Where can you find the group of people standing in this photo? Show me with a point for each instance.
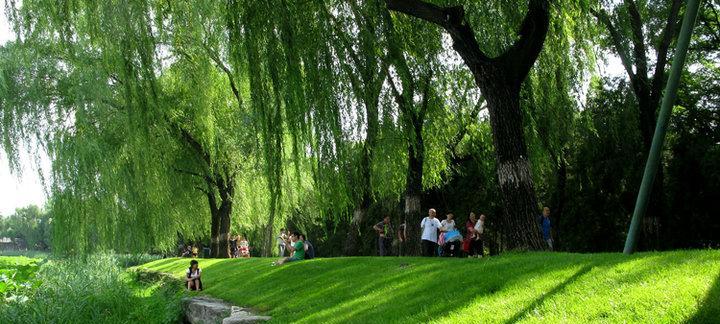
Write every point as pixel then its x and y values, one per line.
pixel 443 237
pixel 449 242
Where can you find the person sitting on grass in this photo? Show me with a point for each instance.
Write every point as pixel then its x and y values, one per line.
pixel 193 276
pixel 297 249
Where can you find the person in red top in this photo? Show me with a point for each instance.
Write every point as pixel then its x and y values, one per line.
pixel 472 242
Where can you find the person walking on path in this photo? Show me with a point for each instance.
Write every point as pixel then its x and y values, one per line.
pixel 546 226
pixel 430 226
pixel 384 230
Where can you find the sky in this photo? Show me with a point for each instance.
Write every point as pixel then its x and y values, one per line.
pixel 20 190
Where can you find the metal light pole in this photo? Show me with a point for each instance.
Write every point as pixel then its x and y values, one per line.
pixel 668 101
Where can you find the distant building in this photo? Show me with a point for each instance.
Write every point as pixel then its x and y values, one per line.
pixel 10 244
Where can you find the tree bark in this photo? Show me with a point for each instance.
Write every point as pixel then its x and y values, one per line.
pixel 513 167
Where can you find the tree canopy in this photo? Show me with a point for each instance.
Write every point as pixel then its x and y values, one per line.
pixel 197 120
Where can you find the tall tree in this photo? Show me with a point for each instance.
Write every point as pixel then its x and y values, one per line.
pixel 500 79
pixel 626 28
pixel 364 68
pixel 413 116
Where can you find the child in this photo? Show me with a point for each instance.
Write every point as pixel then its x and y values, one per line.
pixel 193 276
pixel 244 248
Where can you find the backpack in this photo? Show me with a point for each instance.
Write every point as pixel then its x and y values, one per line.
pixel 310 253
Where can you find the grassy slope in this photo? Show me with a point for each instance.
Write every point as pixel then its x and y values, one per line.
pixel 534 287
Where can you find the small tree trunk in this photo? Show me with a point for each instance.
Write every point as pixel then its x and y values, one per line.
pixel 413 192
pixel 361 209
pixel 214 223
pixel 353 236
pixel 559 201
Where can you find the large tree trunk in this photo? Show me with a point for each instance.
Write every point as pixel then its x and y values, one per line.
pixel 513 168
pixel 352 239
pixel 559 198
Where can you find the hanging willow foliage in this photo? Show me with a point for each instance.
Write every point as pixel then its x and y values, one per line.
pixel 167 118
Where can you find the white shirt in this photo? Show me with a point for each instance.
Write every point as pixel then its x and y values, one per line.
pixel 479 226
pixel 195 274
pixel 448 226
pixel 430 227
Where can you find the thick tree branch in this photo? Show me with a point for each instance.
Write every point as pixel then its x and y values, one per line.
pixel 668 34
pixel 452 19
pixel 617 41
pixel 639 51
pixel 426 96
pixel 522 55
pixel 399 98
pixel 195 174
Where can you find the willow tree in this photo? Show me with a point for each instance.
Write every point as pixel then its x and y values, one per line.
pixel 500 79
pixel 94 104
pixel 132 142
pixel 413 92
pixel 363 66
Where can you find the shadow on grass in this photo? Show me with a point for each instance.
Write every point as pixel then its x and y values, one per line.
pixel 412 289
pixel 538 302
pixel 709 311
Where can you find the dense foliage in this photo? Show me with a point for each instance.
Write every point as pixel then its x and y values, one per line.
pixel 196 120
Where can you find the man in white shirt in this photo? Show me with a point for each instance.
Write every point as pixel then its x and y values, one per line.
pixel 430 226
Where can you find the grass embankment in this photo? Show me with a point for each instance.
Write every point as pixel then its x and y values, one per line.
pixel 667 287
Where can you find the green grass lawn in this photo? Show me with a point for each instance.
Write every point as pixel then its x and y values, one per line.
pixel 667 287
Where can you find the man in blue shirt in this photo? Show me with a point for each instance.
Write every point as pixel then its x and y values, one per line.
pixel 545 225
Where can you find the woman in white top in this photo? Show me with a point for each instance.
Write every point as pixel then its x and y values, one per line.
pixel 192 276
pixel 448 224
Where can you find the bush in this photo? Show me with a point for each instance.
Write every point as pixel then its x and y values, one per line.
pixel 92 290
